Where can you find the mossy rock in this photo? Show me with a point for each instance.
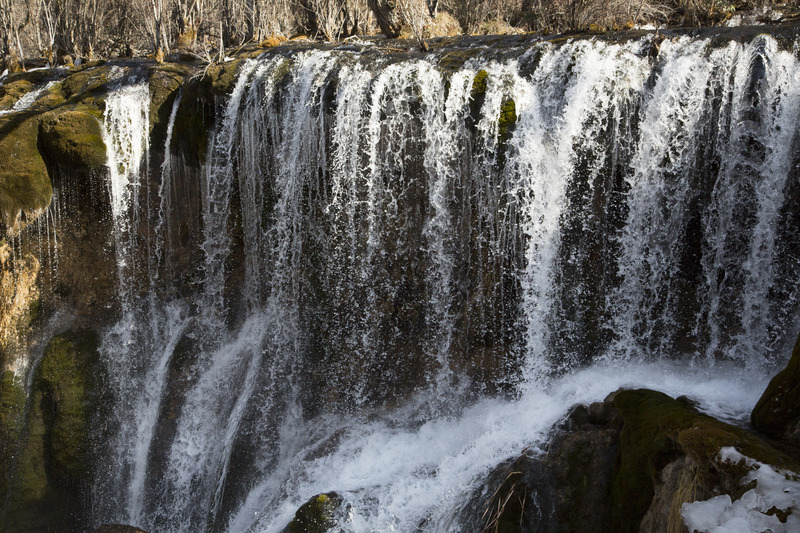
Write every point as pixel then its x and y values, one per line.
pixel 11 92
pixel 477 96
pixel 25 488
pixel 67 379
pixel 507 120
pixel 25 186
pixel 777 413
pixel 87 82
pixel 50 477
pixel 317 515
pixel 657 431
pixel 12 404
pixel 223 76
pixel 74 139
pixel 15 86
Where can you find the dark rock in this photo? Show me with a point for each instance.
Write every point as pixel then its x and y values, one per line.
pixel 317 515
pixel 567 489
pixel 580 461
pixel 777 413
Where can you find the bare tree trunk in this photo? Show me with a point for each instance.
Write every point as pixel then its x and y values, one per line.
pixel 12 20
pixel 386 16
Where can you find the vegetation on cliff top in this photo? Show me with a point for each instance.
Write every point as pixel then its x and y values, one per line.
pixel 63 31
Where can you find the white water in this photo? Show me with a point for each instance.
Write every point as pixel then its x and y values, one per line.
pixel 29 98
pixel 394 262
pixel 399 471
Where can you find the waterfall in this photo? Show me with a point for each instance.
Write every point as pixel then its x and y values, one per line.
pixel 410 268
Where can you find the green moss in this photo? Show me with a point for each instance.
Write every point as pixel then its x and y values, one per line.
pixel 223 76
pixel 11 92
pixel 24 181
pixel 479 84
pixel 657 430
pixel 66 380
pixel 508 117
pixel 477 97
pixel 317 515
pixel 87 82
pixel 779 406
pixel 73 139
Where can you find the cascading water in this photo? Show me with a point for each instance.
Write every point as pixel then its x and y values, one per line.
pixel 409 272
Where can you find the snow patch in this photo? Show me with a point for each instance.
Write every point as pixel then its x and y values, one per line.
pixel 775 489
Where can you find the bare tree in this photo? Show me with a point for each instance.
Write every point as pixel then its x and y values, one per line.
pixel 14 17
pixel 157 24
pixel 387 17
pixel 188 16
pixel 415 14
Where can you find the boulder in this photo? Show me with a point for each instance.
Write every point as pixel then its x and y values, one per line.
pixel 671 454
pixel 634 462
pixel 317 515
pixel 566 489
pixel 777 413
pixel 74 139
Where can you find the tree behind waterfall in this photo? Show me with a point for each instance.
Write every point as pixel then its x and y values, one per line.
pixel 109 28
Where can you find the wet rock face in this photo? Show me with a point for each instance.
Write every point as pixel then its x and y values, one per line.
pixel 48 436
pixel 777 413
pixel 19 303
pixel 566 489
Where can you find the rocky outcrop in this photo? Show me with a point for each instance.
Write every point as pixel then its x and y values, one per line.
pixel 74 139
pixel 19 304
pixel 25 188
pixel 777 413
pixel 630 463
pixel 48 437
pixel 317 515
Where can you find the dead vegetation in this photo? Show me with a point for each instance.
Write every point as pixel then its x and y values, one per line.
pixel 61 31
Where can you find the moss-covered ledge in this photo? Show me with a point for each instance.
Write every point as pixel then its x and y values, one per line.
pixel 73 138
pixel 25 186
pixel 660 432
pixel 777 413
